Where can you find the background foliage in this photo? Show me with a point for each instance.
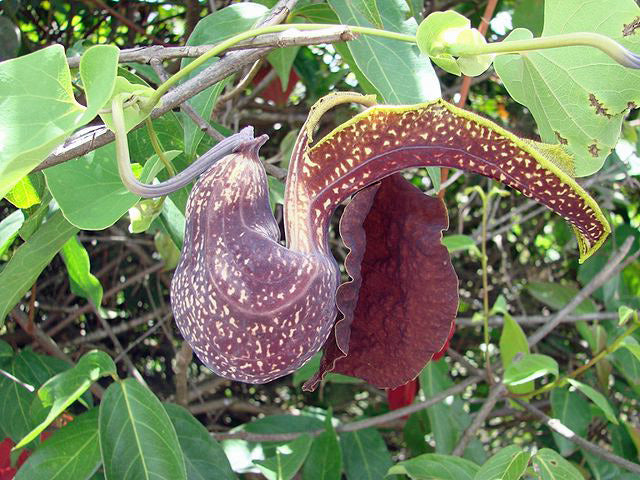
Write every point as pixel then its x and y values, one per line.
pixel 76 279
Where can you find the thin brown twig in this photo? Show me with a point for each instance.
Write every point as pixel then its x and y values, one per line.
pixel 613 267
pixel 555 425
pixel 496 392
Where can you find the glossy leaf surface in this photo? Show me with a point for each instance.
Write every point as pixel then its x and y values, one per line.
pixel 436 467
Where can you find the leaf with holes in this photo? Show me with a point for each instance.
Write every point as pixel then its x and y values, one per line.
pixel 552 466
pixel 578 95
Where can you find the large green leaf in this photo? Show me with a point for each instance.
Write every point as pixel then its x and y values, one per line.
pixel 573 412
pixel 578 95
pixel 203 456
pixel 287 460
pixel 30 259
pixel 432 466
pixel 212 29
pixel 83 282
pixel 396 69
pixel 37 107
pixel 365 455
pixel 73 452
pixel 550 465
pixel 65 388
pixel 509 463
pixel 324 461
pixel 529 367
pixel 137 439
pixel 89 190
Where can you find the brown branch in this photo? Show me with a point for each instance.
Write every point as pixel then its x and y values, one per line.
pixel 497 390
pixel 538 319
pixel 183 359
pixel 612 268
pixel 360 424
pixel 555 425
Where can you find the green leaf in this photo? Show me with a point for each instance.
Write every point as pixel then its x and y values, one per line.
pixel 324 461
pixel 369 8
pixel 530 367
pixel 9 227
pixel 203 456
pixel 308 369
pixel 509 463
pixel 137 439
pixel 34 217
pixel 210 30
pixel 65 388
pixel 456 243
pixel 449 420
pixel 513 341
pixel 82 282
pixel 173 221
pixel 287 460
pixel 22 270
pixel 624 313
pixel 6 352
pixel 578 96
pixel 30 370
pixel 556 296
pixel 28 191
pixel 89 190
pixel 632 345
pixel 550 465
pixel 37 107
pixel 281 59
pixel 572 410
pixel 432 466
pixel 365 455
pixel 396 69
pixel 597 398
pixel 529 14
pixel 73 452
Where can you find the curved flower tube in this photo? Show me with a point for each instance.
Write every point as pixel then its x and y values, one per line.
pixel 254 310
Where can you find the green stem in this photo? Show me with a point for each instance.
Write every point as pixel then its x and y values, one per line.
pixel 222 46
pixel 605 44
pixel 580 370
pixel 157 147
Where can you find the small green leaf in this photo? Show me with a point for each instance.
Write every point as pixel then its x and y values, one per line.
pixel 65 388
pixel 324 461
pixel 530 367
pixel 432 466
pixel 203 456
pixel 509 463
pixel 37 107
pixel 72 452
pixel 28 191
pixel 572 410
pixel 624 314
pixel 131 94
pixel 456 243
pixel 30 259
pixel 82 282
pixel 281 59
pixel 513 341
pixel 9 227
pixel 137 439
pixel 550 465
pixel 597 398
pixel 287 460
pixel 435 31
pixel 365 455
